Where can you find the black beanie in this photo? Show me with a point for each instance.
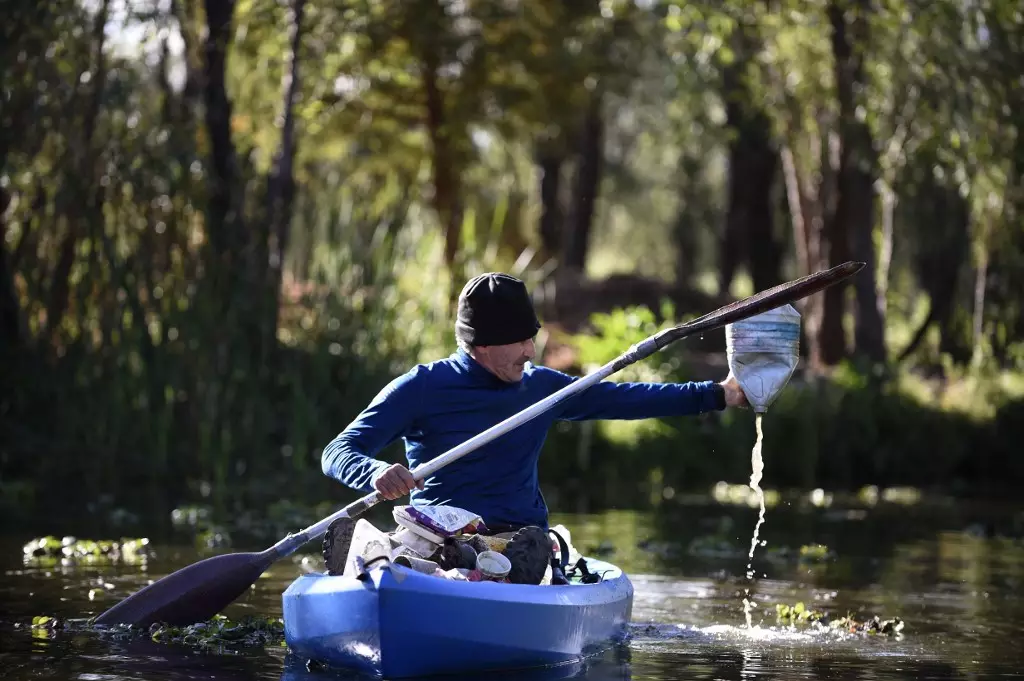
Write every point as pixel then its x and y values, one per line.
pixel 495 309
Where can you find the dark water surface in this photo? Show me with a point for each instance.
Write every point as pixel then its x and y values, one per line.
pixel 952 570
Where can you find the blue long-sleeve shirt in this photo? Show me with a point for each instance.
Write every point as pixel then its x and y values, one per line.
pixel 437 406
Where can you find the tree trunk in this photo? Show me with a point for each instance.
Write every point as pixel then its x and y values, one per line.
pixel 749 234
pixel 10 308
pixel 835 235
pixel 953 320
pixel 551 216
pixel 885 250
pixel 230 259
pixel 281 187
pixel 805 211
pixel 753 162
pixel 224 228
pixel 447 178
pixel 980 286
pixel 858 166
pixel 687 222
pixel 941 219
pixel 832 333
pixel 588 182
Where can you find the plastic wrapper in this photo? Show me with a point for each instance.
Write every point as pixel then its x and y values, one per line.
pixel 421 546
pixel 444 521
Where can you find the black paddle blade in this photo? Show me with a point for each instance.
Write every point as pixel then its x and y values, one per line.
pixel 769 299
pixel 192 594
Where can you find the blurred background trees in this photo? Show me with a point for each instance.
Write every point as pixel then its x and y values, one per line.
pixel 226 223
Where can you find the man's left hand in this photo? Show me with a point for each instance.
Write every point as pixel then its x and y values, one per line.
pixel 734 396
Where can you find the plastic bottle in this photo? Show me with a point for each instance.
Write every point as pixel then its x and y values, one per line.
pixel 763 352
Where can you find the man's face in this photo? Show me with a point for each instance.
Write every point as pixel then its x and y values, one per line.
pixel 506 361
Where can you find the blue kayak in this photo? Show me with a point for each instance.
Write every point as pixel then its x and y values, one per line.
pixel 400 623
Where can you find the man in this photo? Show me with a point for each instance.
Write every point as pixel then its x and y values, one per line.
pixel 437 406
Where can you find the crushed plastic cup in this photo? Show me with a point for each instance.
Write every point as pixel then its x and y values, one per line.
pixel 493 566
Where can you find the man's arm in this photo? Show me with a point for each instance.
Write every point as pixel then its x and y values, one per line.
pixel 608 400
pixel 349 457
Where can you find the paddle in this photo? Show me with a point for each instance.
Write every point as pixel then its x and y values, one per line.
pixel 201 590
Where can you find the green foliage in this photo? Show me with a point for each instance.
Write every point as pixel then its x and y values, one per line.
pixel 792 615
pixel 219 634
pixel 223 634
pixel 195 297
pixel 69 551
pixel 614 332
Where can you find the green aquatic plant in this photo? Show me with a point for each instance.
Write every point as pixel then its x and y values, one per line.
pixel 50 550
pixel 44 626
pixel 221 632
pixel 792 615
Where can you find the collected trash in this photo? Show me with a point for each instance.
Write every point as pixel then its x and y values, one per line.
pixel 439 520
pixel 493 566
pixel 452 543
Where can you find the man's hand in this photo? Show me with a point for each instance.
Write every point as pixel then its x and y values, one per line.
pixel 395 482
pixel 734 396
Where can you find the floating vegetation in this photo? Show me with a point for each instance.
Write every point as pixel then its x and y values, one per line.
pixel 49 551
pixel 799 614
pixel 221 632
pixel 44 627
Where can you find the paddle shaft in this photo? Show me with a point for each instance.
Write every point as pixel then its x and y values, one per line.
pixel 734 312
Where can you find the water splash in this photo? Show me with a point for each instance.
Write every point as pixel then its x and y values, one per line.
pixel 757 465
pixel 641 633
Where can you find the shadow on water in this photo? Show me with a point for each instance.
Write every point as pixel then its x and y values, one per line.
pixel 956 586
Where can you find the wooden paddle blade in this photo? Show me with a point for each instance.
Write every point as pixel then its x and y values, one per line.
pixel 192 594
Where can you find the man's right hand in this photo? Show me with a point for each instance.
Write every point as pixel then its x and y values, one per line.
pixel 395 482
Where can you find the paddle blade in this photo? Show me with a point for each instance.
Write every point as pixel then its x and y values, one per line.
pixel 193 594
